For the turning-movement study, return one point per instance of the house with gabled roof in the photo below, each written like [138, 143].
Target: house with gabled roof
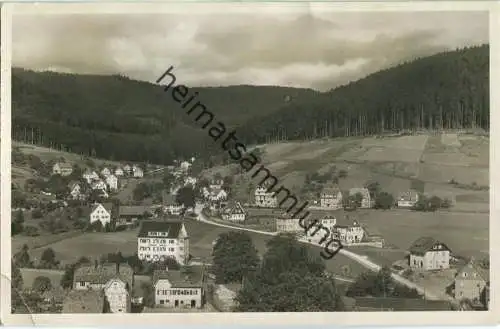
[158, 240]
[105, 172]
[265, 198]
[76, 190]
[471, 281]
[119, 172]
[366, 201]
[115, 279]
[286, 223]
[183, 288]
[101, 212]
[112, 182]
[407, 199]
[90, 176]
[331, 197]
[137, 171]
[234, 212]
[62, 168]
[427, 253]
[348, 230]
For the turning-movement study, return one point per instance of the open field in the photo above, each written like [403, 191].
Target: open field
[41, 241]
[465, 234]
[93, 245]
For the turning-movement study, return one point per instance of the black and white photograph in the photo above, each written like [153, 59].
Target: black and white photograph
[248, 158]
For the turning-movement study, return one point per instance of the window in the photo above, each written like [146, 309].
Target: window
[162, 302]
[172, 241]
[465, 275]
[82, 284]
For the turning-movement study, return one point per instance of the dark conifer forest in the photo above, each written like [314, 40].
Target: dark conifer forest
[117, 118]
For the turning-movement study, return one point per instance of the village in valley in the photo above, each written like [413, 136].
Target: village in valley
[143, 247]
[369, 189]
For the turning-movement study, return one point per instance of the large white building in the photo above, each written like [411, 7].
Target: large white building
[286, 224]
[158, 240]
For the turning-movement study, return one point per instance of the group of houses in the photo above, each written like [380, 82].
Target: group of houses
[104, 181]
[471, 281]
[333, 198]
[344, 228]
[109, 287]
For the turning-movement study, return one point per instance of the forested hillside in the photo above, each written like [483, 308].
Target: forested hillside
[446, 91]
[121, 119]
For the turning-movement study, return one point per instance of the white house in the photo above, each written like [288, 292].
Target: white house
[348, 230]
[75, 191]
[62, 168]
[426, 253]
[158, 240]
[234, 212]
[190, 181]
[105, 172]
[217, 195]
[127, 169]
[119, 172]
[116, 280]
[137, 171]
[101, 212]
[407, 199]
[265, 199]
[179, 289]
[112, 182]
[90, 175]
[205, 192]
[331, 198]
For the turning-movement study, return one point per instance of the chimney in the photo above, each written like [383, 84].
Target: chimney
[96, 264]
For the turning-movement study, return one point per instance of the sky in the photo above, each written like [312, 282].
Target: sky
[301, 48]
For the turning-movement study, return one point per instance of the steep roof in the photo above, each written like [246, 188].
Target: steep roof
[424, 244]
[105, 272]
[84, 301]
[171, 227]
[346, 221]
[107, 205]
[234, 208]
[330, 191]
[187, 277]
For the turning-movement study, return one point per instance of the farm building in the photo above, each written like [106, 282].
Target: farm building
[234, 212]
[408, 199]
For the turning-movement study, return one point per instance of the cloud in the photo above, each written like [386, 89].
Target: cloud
[304, 48]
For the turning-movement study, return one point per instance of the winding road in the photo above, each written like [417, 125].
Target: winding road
[358, 258]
